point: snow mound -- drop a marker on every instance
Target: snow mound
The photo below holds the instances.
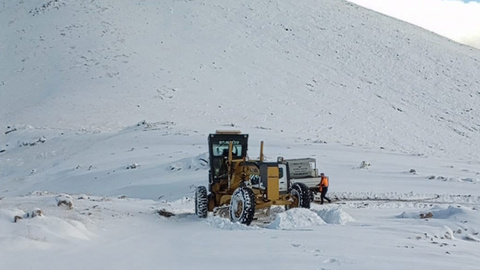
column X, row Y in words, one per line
column 436, row 212
column 448, row 233
column 64, row 199
column 192, row 163
column 296, row 218
column 454, row 179
column 469, row 180
column 447, row 213
column 42, row 229
column 53, row 229
column 335, row 216
column 470, row 237
column 226, row 224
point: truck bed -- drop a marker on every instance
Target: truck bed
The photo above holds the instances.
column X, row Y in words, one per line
column 311, row 182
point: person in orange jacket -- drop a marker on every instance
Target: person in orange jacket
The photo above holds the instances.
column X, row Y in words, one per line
column 324, row 188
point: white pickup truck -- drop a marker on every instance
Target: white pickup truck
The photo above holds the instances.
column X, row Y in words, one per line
column 303, row 170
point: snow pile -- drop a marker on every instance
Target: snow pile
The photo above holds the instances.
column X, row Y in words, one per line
column 297, row 218
column 335, row 216
column 364, row 165
column 41, row 223
column 469, row 180
column 64, row 199
column 52, row 229
column 226, row 224
column 471, row 237
column 473, row 180
column 451, row 211
column 446, row 224
column 437, row 212
column 191, row 163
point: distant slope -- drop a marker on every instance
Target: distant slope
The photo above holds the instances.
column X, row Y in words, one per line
column 320, row 70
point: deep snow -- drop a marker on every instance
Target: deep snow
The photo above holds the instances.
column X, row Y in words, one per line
column 322, row 79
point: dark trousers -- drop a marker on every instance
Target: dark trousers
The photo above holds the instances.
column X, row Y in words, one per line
column 324, row 193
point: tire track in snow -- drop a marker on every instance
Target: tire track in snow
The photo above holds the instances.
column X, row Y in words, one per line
column 401, row 199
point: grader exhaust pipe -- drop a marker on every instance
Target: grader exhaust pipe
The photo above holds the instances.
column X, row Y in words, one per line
column 261, row 152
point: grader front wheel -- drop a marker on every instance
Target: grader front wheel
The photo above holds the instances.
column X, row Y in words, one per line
column 201, row 202
column 242, row 205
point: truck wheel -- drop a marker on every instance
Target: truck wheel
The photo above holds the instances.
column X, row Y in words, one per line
column 242, row 205
column 201, row 202
column 302, row 194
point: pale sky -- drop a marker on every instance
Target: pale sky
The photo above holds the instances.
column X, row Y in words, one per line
column 454, row 19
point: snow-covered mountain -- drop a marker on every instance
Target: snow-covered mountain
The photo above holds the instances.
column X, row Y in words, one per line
column 320, row 70
column 106, row 105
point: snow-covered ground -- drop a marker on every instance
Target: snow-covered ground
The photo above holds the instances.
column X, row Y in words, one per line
column 83, row 175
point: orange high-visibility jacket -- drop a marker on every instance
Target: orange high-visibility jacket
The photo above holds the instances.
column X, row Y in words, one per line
column 323, row 182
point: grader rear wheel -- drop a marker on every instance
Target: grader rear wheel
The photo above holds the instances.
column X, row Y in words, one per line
column 242, row 205
column 301, row 194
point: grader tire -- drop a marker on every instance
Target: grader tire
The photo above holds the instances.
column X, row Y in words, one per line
column 242, row 206
column 302, row 194
column 201, row 202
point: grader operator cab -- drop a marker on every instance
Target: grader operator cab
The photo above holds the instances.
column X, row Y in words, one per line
column 245, row 185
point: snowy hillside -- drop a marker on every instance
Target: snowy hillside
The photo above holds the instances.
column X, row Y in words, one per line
column 455, row 19
column 105, row 109
column 321, row 70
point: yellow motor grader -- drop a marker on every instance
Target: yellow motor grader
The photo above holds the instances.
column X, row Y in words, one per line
column 245, row 185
